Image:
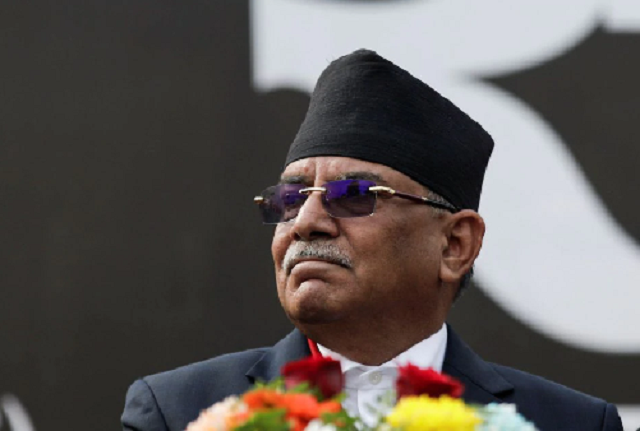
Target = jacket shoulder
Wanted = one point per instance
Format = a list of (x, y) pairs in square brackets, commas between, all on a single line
[(177, 397), (533, 384), (548, 402), (219, 374)]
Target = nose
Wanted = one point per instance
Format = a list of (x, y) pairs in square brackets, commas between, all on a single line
[(313, 221)]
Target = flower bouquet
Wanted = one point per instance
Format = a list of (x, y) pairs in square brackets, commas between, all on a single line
[(308, 398)]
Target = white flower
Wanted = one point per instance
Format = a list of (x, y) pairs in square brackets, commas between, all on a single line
[(216, 417), (503, 417), (318, 425)]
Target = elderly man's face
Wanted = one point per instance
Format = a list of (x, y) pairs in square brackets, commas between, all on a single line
[(388, 262)]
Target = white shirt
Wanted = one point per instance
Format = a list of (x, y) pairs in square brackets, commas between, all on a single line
[(366, 385)]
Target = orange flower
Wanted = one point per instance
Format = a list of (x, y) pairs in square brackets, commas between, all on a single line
[(300, 409), (330, 407), (304, 406), (262, 399)]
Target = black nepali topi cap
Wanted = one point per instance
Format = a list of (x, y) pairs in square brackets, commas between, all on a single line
[(365, 107)]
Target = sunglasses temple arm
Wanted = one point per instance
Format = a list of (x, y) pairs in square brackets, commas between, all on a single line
[(424, 200)]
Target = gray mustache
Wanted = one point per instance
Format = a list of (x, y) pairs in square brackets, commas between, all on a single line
[(320, 250)]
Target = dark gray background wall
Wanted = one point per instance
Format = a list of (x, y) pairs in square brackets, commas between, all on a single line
[(131, 144)]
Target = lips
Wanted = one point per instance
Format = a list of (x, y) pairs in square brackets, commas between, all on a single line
[(296, 261)]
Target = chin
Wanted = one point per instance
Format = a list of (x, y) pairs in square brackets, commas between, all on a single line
[(312, 302), (311, 313), (306, 323)]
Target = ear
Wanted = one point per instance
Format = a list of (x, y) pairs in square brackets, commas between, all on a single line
[(464, 234)]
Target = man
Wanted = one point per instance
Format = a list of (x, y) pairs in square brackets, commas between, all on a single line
[(376, 233)]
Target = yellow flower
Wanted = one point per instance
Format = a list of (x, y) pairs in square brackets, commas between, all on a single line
[(432, 414)]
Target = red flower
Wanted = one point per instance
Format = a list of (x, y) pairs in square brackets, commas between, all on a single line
[(322, 373), (418, 381)]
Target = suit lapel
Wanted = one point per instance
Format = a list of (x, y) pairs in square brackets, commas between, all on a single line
[(291, 348), (483, 384)]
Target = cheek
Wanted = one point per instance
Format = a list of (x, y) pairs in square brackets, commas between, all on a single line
[(378, 250), (397, 252), (396, 236), (279, 245)]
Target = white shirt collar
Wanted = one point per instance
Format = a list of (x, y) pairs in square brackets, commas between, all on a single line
[(427, 353)]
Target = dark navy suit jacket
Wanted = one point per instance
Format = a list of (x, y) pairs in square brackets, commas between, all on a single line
[(170, 400)]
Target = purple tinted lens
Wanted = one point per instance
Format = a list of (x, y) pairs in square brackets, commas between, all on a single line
[(281, 203), (349, 198)]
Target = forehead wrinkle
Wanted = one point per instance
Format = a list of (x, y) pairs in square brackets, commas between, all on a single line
[(361, 175), (354, 175), (295, 179)]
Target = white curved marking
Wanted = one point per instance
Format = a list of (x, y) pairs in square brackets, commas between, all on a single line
[(630, 416), (553, 256), (622, 16), (293, 40), (16, 415)]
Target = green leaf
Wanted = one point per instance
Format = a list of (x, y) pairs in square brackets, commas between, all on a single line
[(276, 384), (340, 420), (270, 420)]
